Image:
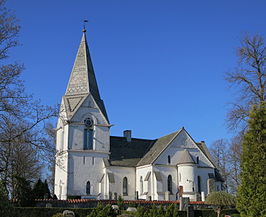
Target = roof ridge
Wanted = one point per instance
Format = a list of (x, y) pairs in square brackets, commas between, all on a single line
[(156, 151), (133, 138)]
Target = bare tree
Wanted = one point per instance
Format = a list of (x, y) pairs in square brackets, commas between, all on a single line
[(250, 77), (18, 158), (22, 135), (234, 158), (219, 152), (50, 144)]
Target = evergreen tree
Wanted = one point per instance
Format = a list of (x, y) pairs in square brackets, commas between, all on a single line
[(251, 197), (41, 190), (4, 202), (38, 190), (23, 192), (46, 190)]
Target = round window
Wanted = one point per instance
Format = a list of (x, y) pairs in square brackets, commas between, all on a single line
[(88, 122)]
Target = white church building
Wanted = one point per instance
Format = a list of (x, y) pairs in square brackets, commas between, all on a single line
[(92, 164)]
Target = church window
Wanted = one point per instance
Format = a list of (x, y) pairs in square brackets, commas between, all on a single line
[(141, 185), (88, 122), (197, 160), (88, 188), (125, 187), (84, 159), (179, 177), (88, 134), (199, 184), (169, 183), (92, 160), (62, 140), (169, 159)]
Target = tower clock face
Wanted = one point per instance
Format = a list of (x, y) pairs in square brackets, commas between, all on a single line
[(88, 122)]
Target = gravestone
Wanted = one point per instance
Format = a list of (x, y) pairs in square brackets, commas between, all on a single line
[(202, 196), (131, 209), (115, 207), (68, 213), (48, 205), (167, 195), (184, 202), (190, 211)]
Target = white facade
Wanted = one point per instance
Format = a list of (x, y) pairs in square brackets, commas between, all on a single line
[(92, 164)]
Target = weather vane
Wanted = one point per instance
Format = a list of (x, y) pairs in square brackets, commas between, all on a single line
[(84, 25)]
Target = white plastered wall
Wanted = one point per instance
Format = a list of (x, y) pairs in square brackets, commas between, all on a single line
[(174, 149), (61, 166), (187, 179), (85, 166), (80, 166), (61, 174), (146, 191), (101, 140), (117, 187)]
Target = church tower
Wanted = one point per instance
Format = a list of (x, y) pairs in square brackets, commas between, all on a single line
[(82, 139)]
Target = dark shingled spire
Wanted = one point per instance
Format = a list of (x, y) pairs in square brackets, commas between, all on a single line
[(82, 79)]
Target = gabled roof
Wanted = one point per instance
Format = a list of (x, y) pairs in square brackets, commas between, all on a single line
[(125, 153), (138, 152), (159, 145), (202, 146), (83, 80), (185, 158)]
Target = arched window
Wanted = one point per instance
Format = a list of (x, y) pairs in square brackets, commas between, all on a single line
[(169, 159), (199, 184), (169, 183), (61, 140), (197, 160), (88, 134), (88, 188), (141, 185), (125, 190)]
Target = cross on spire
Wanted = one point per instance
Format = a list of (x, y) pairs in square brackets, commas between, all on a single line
[(84, 25)]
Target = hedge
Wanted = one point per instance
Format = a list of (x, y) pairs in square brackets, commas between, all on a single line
[(47, 212), (212, 213), (83, 212)]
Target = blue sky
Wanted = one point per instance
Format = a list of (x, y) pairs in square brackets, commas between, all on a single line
[(160, 65)]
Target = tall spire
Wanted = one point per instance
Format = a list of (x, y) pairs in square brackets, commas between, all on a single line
[(82, 79)]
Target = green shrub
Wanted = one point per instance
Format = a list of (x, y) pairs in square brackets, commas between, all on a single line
[(47, 212), (229, 212), (220, 199), (58, 215), (103, 211), (212, 213), (160, 211), (120, 203), (235, 215), (205, 213)]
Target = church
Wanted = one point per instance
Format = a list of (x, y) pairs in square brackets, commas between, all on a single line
[(92, 164)]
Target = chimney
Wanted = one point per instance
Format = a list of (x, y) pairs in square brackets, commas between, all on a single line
[(127, 135)]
